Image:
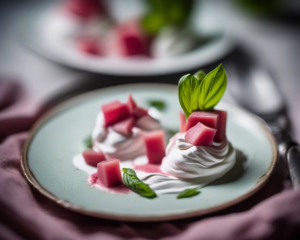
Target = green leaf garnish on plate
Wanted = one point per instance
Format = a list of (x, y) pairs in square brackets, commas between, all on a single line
[(158, 104), (187, 193), (88, 143), (200, 91), (131, 180)]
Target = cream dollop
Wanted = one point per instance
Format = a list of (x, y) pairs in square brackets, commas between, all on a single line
[(188, 166), (116, 145), (187, 161)]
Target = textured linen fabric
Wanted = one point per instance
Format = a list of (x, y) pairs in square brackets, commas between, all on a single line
[(272, 213)]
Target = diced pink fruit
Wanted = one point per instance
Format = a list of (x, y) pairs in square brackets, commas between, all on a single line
[(209, 119), (155, 146), (124, 127), (147, 123), (131, 104), (130, 39), (200, 135), (89, 45), (114, 112), (182, 121), (140, 112), (93, 158), (84, 8), (109, 173), (221, 127)]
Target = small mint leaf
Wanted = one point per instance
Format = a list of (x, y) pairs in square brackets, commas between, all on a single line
[(187, 193), (160, 105), (135, 184), (88, 142)]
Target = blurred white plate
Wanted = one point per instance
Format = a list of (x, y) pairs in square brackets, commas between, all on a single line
[(46, 26)]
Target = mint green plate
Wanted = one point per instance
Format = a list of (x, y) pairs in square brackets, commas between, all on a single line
[(58, 136)]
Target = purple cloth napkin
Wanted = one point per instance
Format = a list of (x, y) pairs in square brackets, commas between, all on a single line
[(272, 213)]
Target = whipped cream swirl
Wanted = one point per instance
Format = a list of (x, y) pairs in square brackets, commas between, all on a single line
[(116, 145), (189, 166)]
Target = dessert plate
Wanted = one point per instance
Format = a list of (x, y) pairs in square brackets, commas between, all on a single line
[(58, 136), (45, 33)]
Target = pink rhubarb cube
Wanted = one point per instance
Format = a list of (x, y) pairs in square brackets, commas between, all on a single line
[(84, 8), (131, 104), (155, 146), (182, 121), (209, 119), (89, 45), (93, 158), (130, 39), (221, 126), (114, 112), (109, 173), (140, 112), (200, 135), (124, 127)]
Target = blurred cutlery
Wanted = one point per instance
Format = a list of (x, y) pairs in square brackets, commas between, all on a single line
[(253, 88)]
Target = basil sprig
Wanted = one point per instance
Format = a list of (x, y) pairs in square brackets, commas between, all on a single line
[(188, 193), (202, 92), (131, 180)]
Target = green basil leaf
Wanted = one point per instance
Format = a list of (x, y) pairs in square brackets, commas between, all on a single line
[(153, 22), (212, 88), (200, 75), (160, 105), (88, 142), (166, 13), (131, 180), (188, 93), (188, 193)]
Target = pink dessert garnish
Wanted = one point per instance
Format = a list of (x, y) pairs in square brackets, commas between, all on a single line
[(140, 112), (89, 45), (84, 8), (124, 127), (221, 127), (149, 168), (131, 104), (130, 39), (109, 173), (200, 135), (209, 119), (93, 158), (182, 121), (155, 146), (96, 182), (114, 112)]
